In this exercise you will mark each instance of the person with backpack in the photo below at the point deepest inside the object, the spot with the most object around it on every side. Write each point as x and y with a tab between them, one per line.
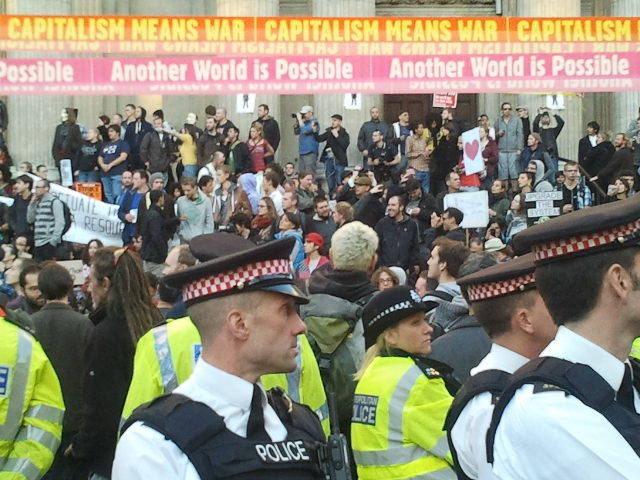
51	218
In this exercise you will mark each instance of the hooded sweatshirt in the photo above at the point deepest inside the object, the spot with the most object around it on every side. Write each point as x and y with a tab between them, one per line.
199	216
541	185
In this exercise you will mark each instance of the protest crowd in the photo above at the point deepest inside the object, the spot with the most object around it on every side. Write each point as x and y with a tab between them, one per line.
402	260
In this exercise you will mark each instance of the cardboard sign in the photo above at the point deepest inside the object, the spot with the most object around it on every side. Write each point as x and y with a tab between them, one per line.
445	100
542	204
90	189
474	206
471	151
75	269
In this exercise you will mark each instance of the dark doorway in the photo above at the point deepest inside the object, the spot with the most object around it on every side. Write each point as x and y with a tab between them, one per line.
420	106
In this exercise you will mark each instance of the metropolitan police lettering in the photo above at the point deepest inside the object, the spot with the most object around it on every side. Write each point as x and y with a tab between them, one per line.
281	452
4	380
364	409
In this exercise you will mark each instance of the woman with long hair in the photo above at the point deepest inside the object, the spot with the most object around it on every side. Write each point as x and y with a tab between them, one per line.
444	157
401	400
187	137
123	312
516	217
258	148
265	222
87	255
290	224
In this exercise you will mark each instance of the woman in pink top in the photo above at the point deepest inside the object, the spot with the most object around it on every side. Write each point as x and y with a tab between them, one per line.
258	148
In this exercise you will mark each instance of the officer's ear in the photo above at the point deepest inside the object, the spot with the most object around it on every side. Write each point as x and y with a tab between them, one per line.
522	318
237	324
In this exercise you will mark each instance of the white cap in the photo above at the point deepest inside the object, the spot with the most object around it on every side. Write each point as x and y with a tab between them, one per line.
306	109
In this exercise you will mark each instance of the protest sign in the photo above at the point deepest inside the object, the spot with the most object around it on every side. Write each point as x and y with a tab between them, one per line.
445	100
91	189
542	204
74	267
472	154
90	218
474	206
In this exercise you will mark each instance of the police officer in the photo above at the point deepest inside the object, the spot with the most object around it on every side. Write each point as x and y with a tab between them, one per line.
572	413
220	423
31	405
505	301
401	400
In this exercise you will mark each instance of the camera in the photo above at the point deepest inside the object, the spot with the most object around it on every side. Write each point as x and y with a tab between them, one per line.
294	115
231	228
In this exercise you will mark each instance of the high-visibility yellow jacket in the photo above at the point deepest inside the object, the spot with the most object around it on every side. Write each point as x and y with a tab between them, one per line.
396	428
31	406
166	355
635	349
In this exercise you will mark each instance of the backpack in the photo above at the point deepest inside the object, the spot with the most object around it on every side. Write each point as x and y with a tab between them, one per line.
68	217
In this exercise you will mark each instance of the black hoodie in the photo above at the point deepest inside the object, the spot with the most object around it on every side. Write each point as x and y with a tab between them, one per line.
350	286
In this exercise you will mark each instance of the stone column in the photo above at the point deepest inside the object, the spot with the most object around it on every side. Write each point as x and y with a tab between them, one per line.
572	114
326	104
260	8
90	107
625	104
42	113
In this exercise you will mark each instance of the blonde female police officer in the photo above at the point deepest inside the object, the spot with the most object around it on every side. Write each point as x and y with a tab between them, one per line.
401	401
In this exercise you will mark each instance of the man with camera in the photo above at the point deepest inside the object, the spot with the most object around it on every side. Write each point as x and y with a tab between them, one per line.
306	127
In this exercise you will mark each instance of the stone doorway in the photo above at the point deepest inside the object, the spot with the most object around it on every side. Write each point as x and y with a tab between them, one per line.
420	107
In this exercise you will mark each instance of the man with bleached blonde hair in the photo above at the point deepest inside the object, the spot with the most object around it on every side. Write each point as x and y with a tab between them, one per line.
333	315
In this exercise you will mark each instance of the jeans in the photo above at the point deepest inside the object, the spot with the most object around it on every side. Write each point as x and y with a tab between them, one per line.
89	176
508	166
333	172
425	179
308	163
190	171
112	187
44	252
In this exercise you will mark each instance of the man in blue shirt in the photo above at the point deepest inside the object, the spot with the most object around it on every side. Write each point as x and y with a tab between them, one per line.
306	128
112	163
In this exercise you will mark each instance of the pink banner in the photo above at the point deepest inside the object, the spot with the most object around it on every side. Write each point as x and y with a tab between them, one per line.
580	72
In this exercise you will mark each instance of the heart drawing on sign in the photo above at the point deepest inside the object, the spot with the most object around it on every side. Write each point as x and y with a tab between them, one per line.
471	149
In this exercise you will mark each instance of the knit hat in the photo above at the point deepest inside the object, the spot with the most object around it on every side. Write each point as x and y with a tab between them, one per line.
388	308
155	176
314	238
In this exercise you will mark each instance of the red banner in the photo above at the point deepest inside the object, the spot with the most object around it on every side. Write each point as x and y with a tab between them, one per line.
281	36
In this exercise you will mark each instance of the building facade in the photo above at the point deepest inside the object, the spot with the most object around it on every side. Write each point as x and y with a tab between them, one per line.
32	116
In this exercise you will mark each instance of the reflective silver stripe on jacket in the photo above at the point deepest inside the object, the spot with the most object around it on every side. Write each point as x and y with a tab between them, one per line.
18	387
163	354
22	466
45	412
400	454
42	437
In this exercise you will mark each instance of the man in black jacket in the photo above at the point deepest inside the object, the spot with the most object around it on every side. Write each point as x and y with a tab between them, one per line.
368	209
398	235
64	335
153	231
589	141
421	204
18	211
334	154
237	152
156	149
445	225
209	142
270	126
67	138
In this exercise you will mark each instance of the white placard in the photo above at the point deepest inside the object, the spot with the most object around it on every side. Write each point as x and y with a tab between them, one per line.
352	101
245	102
555	102
474	206
66	173
472	153
8	201
91	218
